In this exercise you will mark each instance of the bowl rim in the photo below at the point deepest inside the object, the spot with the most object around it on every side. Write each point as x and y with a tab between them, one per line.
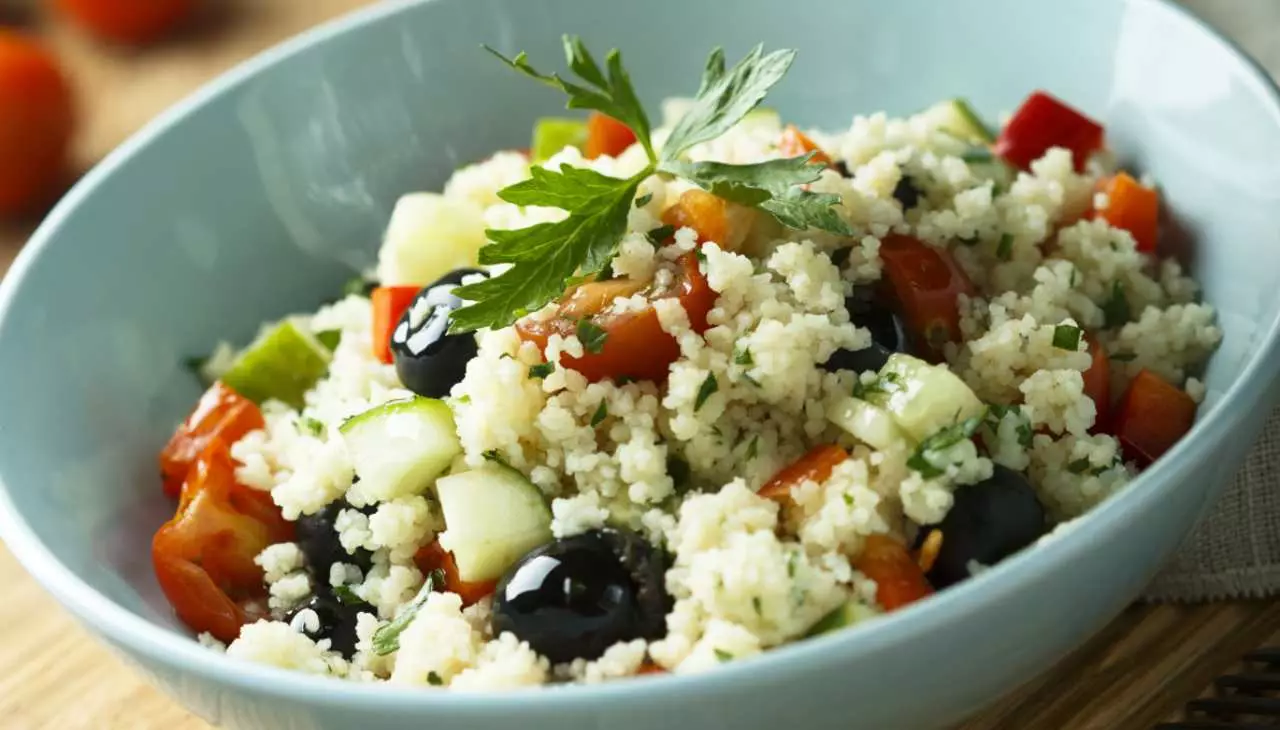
165	647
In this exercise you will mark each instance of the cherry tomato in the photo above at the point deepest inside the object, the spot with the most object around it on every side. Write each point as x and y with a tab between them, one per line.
635	345
203	557
606	136
795	143
1097	384
648	667
127	21
1151	417
815	466
924	282
898	578
1043	122
221	414
389	305
434	557
1133	207
36	122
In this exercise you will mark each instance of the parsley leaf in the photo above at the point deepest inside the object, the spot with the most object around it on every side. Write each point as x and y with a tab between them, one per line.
803	209
996	413
1115	310
592	336
1079	466
386	639
643	200
434	679
329	338
346	596
743	357
659	235
1004	249
753	448
722	655
1066	337
883	385
929	453
601	413
541	370
705	390
312	426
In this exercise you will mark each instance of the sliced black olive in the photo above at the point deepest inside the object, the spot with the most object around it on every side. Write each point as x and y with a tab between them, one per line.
886	336
318	539
428	359
989	521
906	193
337	621
577	596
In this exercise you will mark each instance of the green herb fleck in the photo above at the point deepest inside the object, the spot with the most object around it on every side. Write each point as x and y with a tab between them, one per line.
312	426
592	336
1066	337
848	499
541	370
1004	249
700	255
977	155
793	560
643	200
1123	356
464	398
753	448
1115	310
743	357
386	639
346	596
882	385
756	604
329	338
195	365
434	679
601	413
1079	466
930	453
722	655
660	234
679	471
358	286
705	390
1075	277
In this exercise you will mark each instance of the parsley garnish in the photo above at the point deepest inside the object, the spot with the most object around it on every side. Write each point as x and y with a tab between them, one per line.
359	286
643	200
346	596
722	655
329	338
1079	466
1004	249
930	451
541	370
1066	337
743	357
977	154
753	448
1115	310
996	414
601	413
312	426
434	679
386	639
755	603
660	234
883	385
546	256
592	336
705	390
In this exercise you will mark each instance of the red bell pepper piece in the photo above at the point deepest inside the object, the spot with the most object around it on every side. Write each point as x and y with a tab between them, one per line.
221	414
1133	207
795	143
606	136
899	579
815	466
434	557
1097	384
389	305
1152	416
1043	122
925	283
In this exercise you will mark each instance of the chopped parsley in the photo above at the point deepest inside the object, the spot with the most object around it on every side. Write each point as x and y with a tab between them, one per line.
592	336
346	596
386	639
929	456
743	357
977	155
660	234
1004	249
601	413
722	655
680	473
1066	337
1079	466
1075	277
848	499
312	426
996	413
705	390
434	679
643	200
755	603
541	370
882	385
753	448
1115	310
359	286
329	338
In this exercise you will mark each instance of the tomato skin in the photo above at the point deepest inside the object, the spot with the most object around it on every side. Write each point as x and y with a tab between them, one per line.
1133	207
1043	122
636	345
221	414
606	136
816	466
925	283
795	143
1097	384
1151	417
204	556
389	305
899	580
37	118
434	557
126	21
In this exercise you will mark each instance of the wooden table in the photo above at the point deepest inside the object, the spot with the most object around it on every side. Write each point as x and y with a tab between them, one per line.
1137	672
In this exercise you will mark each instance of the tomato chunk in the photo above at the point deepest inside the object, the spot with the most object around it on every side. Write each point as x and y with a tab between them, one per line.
1133	207
127	21
703	212
434	557
899	579
1151	417
648	667
1043	122
925	282
795	143
816	466
606	136
221	414
1097	384
635	345
389	305
37	118
203	557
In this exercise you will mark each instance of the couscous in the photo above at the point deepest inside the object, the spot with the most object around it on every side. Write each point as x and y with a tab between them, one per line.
656	397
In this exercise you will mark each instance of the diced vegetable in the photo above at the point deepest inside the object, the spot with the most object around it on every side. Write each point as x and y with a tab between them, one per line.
1151	416
924	284
795	143
493	516
434	557
282	364
398	448
606	136
815	466
844	616
1133	207
221	414
389	305
38	117
704	213
899	580
1097	384
957	118
1043	122
122	21
924	398
762	118
868	423
552	134
428	236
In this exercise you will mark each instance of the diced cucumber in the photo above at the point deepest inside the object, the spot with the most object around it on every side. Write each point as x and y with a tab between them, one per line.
552	134
429	235
283	363
399	447
925	398
493	516
957	118
844	615
868	423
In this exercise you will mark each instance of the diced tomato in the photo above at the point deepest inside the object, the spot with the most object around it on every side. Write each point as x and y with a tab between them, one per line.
635	345
606	136
37	119
434	557
815	466
221	414
127	21
1043	122
389	305
701	211
924	282
1151	417
1097	384
899	580
204	556
649	667
1133	207
795	143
